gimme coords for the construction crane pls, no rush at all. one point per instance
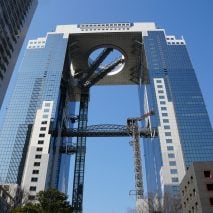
(133, 126)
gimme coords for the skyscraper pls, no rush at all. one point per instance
(37, 96)
(185, 132)
(15, 18)
(56, 70)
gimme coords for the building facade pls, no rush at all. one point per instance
(185, 132)
(36, 97)
(167, 84)
(15, 18)
(197, 188)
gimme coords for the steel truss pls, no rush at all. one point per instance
(105, 130)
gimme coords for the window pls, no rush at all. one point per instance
(160, 91)
(43, 128)
(47, 104)
(170, 148)
(159, 86)
(32, 188)
(40, 142)
(34, 179)
(36, 163)
(162, 102)
(182, 192)
(165, 120)
(185, 204)
(46, 110)
(168, 140)
(168, 134)
(167, 127)
(38, 156)
(163, 108)
(39, 149)
(44, 122)
(35, 171)
(172, 163)
(173, 171)
(45, 116)
(211, 201)
(207, 174)
(171, 155)
(161, 97)
(41, 135)
(209, 186)
(159, 81)
(175, 180)
(164, 114)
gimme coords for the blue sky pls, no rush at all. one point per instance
(109, 163)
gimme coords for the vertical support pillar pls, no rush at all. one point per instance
(78, 183)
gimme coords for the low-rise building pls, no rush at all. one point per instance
(197, 188)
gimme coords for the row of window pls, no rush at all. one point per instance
(43, 128)
(38, 156)
(36, 42)
(46, 109)
(106, 25)
(40, 46)
(163, 108)
(177, 42)
(39, 149)
(104, 29)
(194, 208)
(165, 121)
(36, 171)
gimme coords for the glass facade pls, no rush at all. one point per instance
(169, 66)
(15, 17)
(39, 80)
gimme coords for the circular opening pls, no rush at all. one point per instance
(111, 56)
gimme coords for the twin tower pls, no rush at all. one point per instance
(58, 70)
